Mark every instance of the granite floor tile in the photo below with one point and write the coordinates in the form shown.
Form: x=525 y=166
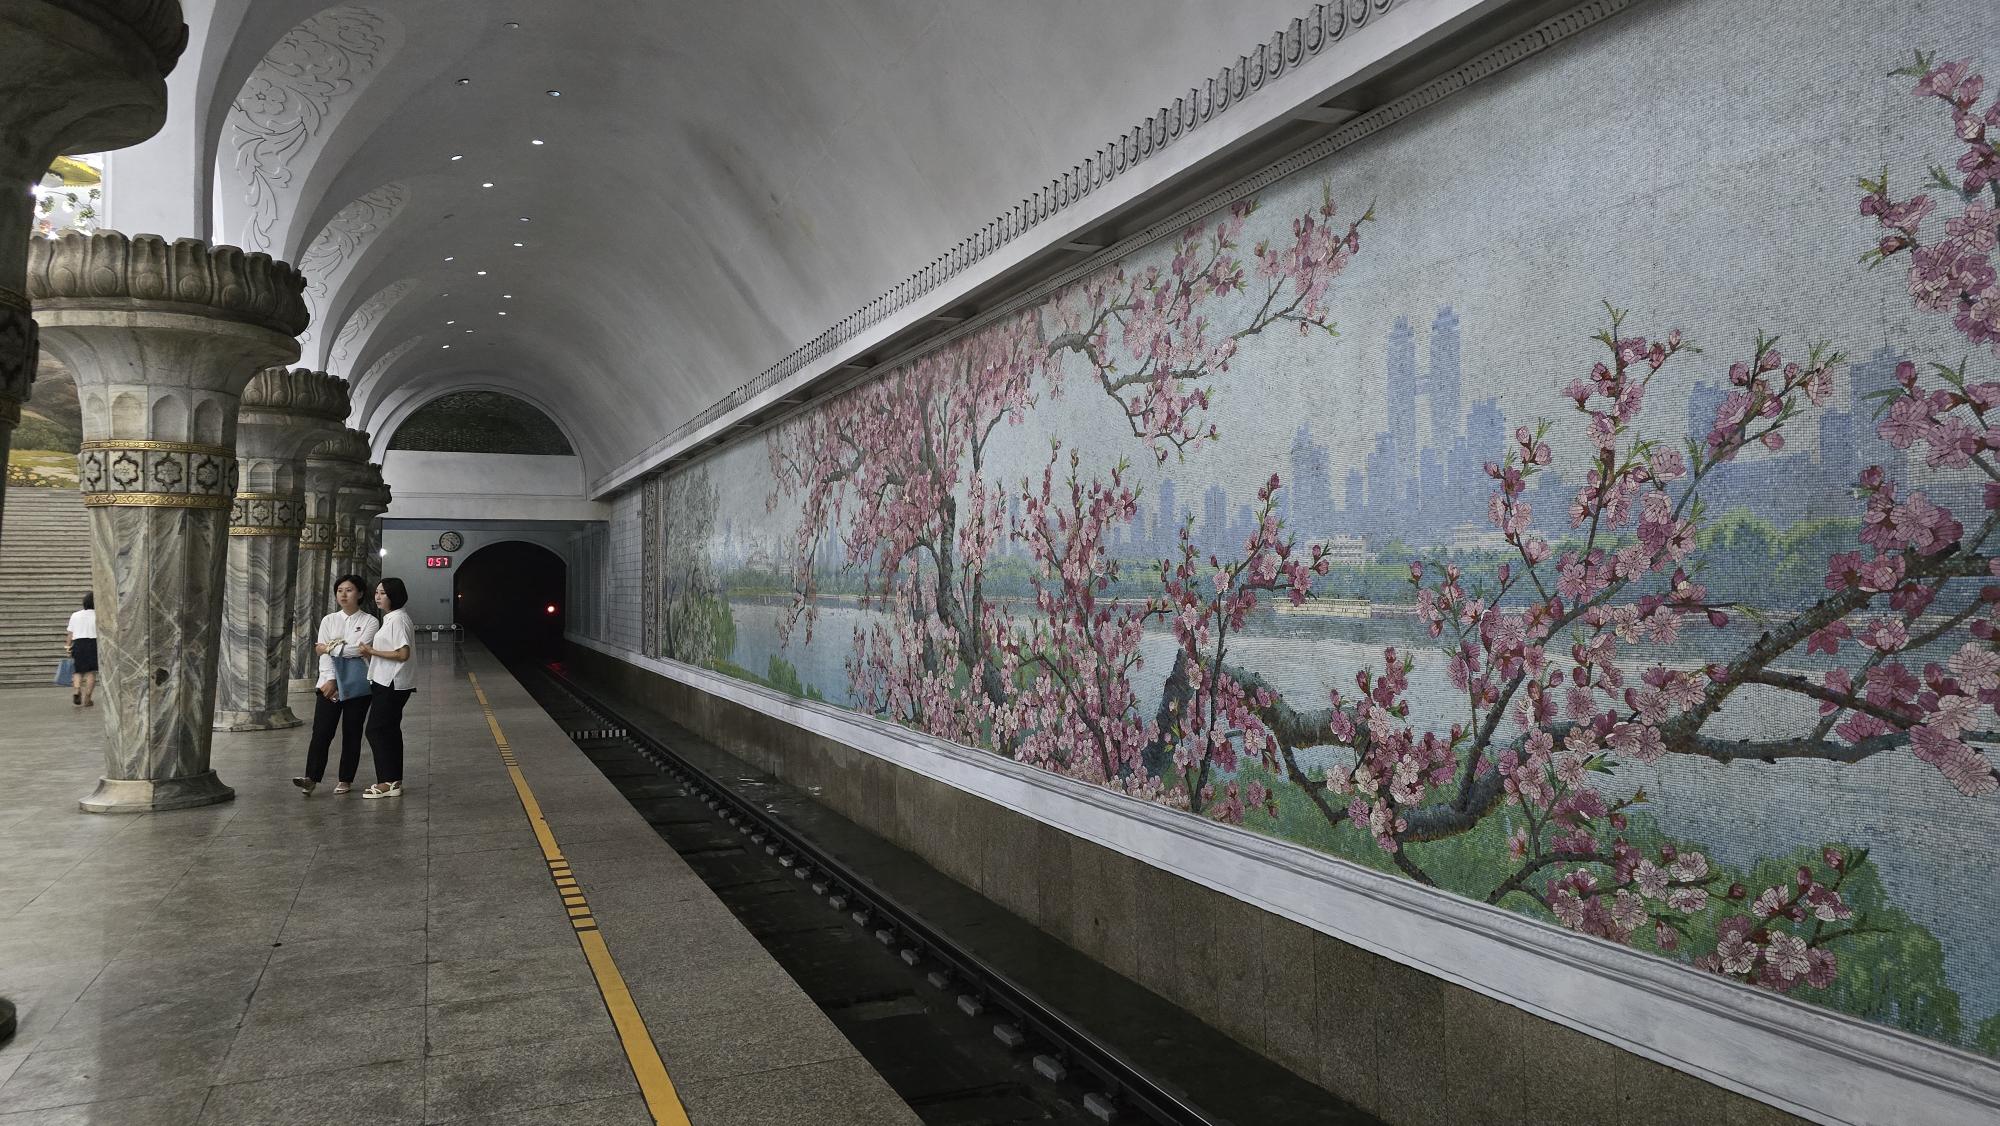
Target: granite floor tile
x=465 y=1026
x=169 y=1065
x=71 y=978
x=624 y=1110
x=137 y=1017
x=279 y=960
x=304 y=993
x=349 y=952
x=483 y=978
x=745 y=1039
x=381 y=1094
x=267 y=1049
x=838 y=1093
x=153 y=970
x=145 y=1110
x=35 y=1014
x=581 y=1068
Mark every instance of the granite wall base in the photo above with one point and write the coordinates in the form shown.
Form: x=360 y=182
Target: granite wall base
x=1409 y=1047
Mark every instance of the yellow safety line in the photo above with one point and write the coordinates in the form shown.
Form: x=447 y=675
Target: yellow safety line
x=661 y=1099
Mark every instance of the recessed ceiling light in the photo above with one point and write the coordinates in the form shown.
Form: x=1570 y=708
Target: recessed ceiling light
x=468 y=332
x=503 y=312
x=451 y=322
x=444 y=345
x=444 y=295
x=458 y=156
x=536 y=141
x=487 y=184
x=511 y=25
x=524 y=219
x=518 y=244
x=508 y=296
x=555 y=93
x=450 y=258
x=462 y=82
x=482 y=273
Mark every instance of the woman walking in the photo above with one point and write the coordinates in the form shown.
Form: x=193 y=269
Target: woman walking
x=82 y=638
x=342 y=698
x=391 y=679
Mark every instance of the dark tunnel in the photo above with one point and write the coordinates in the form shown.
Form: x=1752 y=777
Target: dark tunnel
x=510 y=595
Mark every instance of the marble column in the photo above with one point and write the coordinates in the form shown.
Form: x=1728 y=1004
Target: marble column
x=328 y=466
x=284 y=414
x=163 y=338
x=75 y=76
x=347 y=502
x=368 y=529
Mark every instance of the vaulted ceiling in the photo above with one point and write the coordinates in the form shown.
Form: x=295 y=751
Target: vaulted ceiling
x=713 y=184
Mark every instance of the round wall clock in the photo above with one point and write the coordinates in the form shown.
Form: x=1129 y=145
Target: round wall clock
x=450 y=541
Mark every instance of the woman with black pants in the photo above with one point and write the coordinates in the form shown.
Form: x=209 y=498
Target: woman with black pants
x=391 y=679
x=342 y=697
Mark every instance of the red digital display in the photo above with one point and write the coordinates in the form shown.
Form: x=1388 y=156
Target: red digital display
x=436 y=561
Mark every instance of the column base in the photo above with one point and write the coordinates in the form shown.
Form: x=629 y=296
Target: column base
x=147 y=795
x=276 y=719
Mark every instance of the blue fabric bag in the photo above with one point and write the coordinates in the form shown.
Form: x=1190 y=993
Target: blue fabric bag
x=65 y=672
x=350 y=677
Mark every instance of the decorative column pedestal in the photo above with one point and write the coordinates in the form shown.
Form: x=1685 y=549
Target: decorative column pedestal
x=328 y=467
x=75 y=76
x=284 y=414
x=163 y=339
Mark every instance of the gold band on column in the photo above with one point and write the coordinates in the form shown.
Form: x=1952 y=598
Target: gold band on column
x=266 y=514
x=146 y=473
x=155 y=500
x=316 y=534
x=148 y=444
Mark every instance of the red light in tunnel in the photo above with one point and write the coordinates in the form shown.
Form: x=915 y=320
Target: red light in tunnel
x=550 y=608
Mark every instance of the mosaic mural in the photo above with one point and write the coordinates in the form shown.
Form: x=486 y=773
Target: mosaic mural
x=1596 y=521
x=43 y=453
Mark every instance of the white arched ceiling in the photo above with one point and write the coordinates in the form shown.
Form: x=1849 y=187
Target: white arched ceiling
x=717 y=184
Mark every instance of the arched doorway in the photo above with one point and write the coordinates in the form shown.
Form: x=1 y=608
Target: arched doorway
x=511 y=596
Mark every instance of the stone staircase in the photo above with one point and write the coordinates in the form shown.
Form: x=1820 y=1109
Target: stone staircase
x=44 y=571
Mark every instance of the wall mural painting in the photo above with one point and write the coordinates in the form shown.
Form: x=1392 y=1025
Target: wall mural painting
x=1656 y=601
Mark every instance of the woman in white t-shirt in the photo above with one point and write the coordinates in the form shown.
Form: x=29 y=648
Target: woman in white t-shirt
x=391 y=679
x=341 y=698
x=82 y=638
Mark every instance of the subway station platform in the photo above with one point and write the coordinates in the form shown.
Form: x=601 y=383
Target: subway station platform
x=428 y=958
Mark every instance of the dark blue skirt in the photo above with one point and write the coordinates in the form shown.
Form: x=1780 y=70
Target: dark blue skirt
x=83 y=651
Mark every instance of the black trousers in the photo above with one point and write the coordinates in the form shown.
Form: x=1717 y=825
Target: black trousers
x=327 y=715
x=385 y=730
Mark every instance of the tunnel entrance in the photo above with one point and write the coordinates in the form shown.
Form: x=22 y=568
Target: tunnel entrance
x=510 y=594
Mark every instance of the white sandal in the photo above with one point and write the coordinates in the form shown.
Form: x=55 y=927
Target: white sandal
x=383 y=790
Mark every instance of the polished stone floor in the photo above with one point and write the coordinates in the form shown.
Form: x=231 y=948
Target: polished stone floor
x=333 y=960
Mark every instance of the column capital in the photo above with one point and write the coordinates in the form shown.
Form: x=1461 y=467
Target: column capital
x=155 y=24
x=338 y=457
x=299 y=394
x=84 y=76
x=97 y=279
